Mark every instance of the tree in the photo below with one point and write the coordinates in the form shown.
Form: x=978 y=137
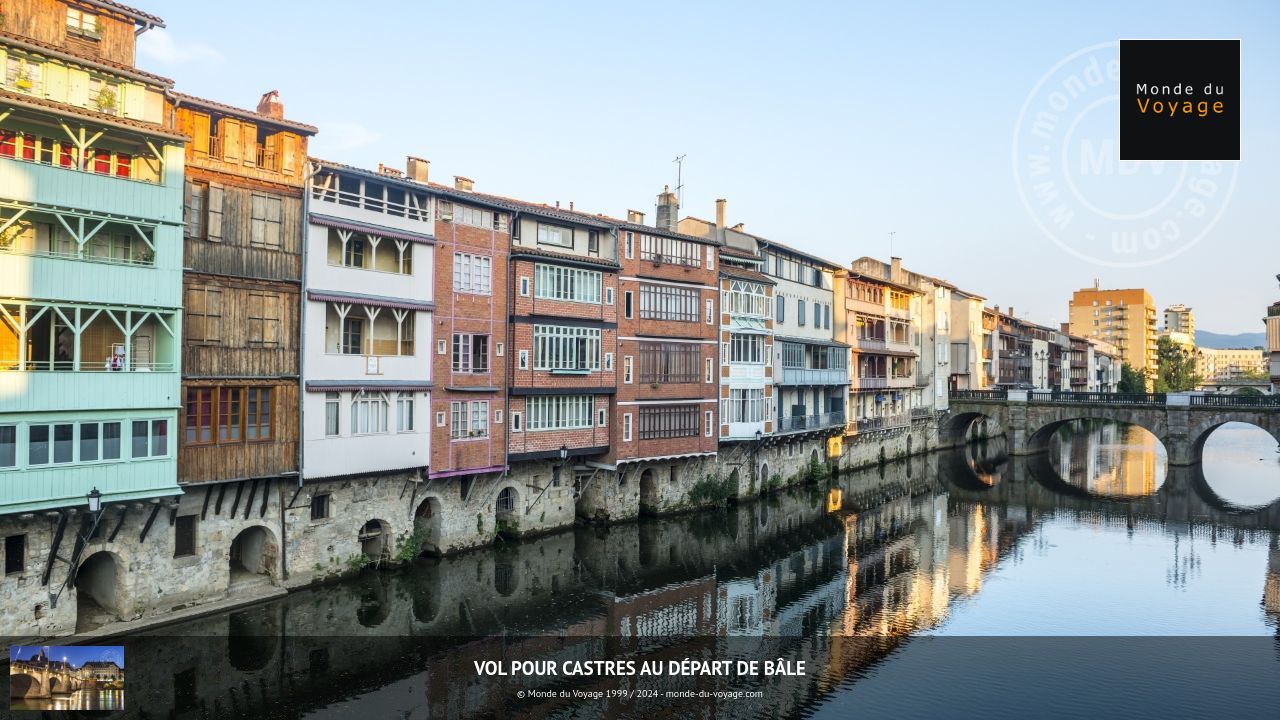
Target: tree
x=1132 y=380
x=1176 y=367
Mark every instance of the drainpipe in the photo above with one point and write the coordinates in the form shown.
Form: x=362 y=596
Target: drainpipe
x=302 y=360
x=511 y=352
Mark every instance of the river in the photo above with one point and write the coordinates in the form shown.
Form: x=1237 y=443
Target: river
x=1093 y=581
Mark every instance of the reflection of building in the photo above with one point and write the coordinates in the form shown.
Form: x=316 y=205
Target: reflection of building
x=1124 y=318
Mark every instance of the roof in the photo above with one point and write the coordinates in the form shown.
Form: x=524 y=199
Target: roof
x=369 y=229
x=540 y=209
x=767 y=243
x=241 y=112
x=810 y=341
x=403 y=182
x=32 y=44
x=651 y=230
x=357 y=385
x=518 y=250
x=745 y=274
x=133 y=13
x=738 y=252
x=369 y=300
x=881 y=281
x=28 y=101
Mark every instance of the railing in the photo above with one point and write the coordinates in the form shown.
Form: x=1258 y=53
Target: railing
x=1098 y=397
x=1236 y=400
x=979 y=394
x=815 y=376
x=105 y=366
x=810 y=422
x=887 y=422
x=918 y=414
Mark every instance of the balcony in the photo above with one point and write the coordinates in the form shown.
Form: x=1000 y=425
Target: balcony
x=800 y=423
x=27 y=182
x=744 y=371
x=869 y=383
x=86 y=391
x=886 y=422
x=814 y=376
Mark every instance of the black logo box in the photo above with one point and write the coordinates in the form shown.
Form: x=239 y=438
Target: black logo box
x=1187 y=68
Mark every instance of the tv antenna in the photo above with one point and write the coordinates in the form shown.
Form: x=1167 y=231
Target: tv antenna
x=679 y=161
x=891 y=234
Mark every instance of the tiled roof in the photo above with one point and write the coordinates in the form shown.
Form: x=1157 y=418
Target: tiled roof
x=542 y=209
x=35 y=103
x=636 y=227
x=369 y=229
x=522 y=250
x=232 y=110
x=134 y=13
x=45 y=48
x=745 y=274
x=406 y=182
x=738 y=252
x=357 y=385
x=370 y=300
x=767 y=243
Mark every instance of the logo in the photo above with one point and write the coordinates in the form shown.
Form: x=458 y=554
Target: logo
x=1087 y=198
x=1180 y=99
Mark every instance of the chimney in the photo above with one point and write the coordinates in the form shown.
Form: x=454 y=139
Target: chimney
x=570 y=206
x=668 y=210
x=1011 y=313
x=417 y=168
x=737 y=228
x=271 y=106
x=721 y=211
x=895 y=269
x=1097 y=284
x=462 y=183
x=635 y=216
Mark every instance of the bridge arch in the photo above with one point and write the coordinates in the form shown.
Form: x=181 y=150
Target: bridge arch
x=22 y=685
x=1200 y=432
x=958 y=427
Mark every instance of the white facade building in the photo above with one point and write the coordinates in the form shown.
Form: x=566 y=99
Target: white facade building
x=367 y=323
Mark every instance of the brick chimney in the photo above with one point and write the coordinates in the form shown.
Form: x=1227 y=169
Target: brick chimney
x=668 y=210
x=271 y=106
x=721 y=211
x=462 y=183
x=417 y=169
x=635 y=216
x=895 y=269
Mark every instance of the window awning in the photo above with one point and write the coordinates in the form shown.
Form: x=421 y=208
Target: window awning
x=369 y=300
x=750 y=326
x=890 y=353
x=369 y=229
x=370 y=385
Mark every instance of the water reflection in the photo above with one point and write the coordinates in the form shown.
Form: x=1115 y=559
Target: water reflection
x=843 y=576
x=1242 y=465
x=77 y=700
x=1109 y=459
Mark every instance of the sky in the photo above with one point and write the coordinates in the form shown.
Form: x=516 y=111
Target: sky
x=825 y=126
x=77 y=655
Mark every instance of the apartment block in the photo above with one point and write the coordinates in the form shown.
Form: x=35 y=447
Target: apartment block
x=1124 y=318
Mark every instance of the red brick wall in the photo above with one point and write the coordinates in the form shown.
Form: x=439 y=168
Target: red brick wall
x=544 y=440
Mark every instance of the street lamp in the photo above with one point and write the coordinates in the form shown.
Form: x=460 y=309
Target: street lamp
x=564 y=453
x=95 y=501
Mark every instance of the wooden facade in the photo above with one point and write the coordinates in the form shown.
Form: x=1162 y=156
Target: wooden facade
x=244 y=225
x=107 y=34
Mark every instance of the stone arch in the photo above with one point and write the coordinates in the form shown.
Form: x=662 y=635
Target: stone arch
x=814 y=457
x=252 y=637
x=955 y=429
x=57 y=687
x=428 y=520
x=100 y=590
x=762 y=478
x=375 y=540
x=254 y=553
x=649 y=499
x=23 y=685
x=506 y=510
x=506 y=577
x=1043 y=423
x=1199 y=434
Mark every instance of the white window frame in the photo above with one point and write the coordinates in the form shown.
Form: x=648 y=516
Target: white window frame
x=709 y=421
x=472 y=274
x=556 y=282
x=559 y=412
x=468 y=420
x=558 y=348
x=370 y=413
x=628 y=368
x=517 y=424
x=626 y=427
x=404 y=412
x=710 y=369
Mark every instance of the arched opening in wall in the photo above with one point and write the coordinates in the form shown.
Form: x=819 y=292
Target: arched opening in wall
x=252 y=637
x=505 y=579
x=57 y=686
x=814 y=458
x=426 y=524
x=373 y=537
x=504 y=512
x=253 y=557
x=734 y=478
x=98 y=591
x=648 y=492
x=762 y=477
x=1104 y=457
x=1241 y=464
x=23 y=685
x=374 y=607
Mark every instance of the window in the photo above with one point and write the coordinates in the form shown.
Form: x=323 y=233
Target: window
x=15 y=554
x=626 y=368
x=517 y=422
x=352 y=335
x=561 y=348
x=469 y=419
x=746 y=349
x=524 y=287
x=38 y=445
x=662 y=302
x=473 y=216
x=669 y=250
x=668 y=421
x=782 y=309
x=320 y=506
x=264 y=320
x=709 y=370
x=626 y=305
x=204 y=315
x=553 y=282
x=711 y=258
x=184 y=536
x=199 y=430
x=369 y=414
x=404 y=412
x=497 y=416
x=110 y=441
x=559 y=412
x=63 y=444
x=470 y=353
x=745 y=298
x=264 y=221
x=332 y=406
x=711 y=311
x=746 y=405
x=472 y=273
x=708 y=423
x=523 y=360
x=353 y=252
x=197 y=201
x=608 y=296
x=554 y=235
x=150 y=438
x=792 y=355
x=440 y=419
x=81 y=23
x=602 y=417
x=629 y=249
x=669 y=362
x=593 y=242
x=257 y=424
x=800 y=313
x=608 y=361
x=8 y=446
x=230 y=414
x=626 y=427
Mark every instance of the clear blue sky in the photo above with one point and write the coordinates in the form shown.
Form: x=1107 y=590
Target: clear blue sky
x=826 y=126
x=77 y=655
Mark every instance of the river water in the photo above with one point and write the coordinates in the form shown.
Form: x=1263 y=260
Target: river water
x=1093 y=581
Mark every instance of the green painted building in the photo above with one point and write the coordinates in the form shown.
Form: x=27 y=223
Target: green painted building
x=91 y=208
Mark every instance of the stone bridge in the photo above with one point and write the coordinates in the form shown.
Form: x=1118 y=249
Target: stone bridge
x=44 y=679
x=1181 y=422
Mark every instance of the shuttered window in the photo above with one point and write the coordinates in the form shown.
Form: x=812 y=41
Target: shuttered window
x=265 y=226
x=264 y=320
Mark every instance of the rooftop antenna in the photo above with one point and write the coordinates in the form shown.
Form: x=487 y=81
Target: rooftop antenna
x=891 y=234
x=679 y=161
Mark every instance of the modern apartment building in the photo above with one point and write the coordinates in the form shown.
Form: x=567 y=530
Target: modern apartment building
x=91 y=257
x=1124 y=318
x=1231 y=363
x=1180 y=319
x=1272 y=323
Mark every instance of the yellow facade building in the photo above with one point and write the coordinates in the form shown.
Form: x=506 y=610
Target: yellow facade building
x=1125 y=318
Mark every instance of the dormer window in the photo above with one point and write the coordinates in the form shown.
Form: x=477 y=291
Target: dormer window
x=82 y=24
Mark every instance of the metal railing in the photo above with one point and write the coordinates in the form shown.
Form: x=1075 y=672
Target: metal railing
x=810 y=422
x=1109 y=398
x=1098 y=398
x=979 y=394
x=887 y=422
x=1236 y=400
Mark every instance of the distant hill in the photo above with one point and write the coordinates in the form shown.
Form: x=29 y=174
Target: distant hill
x=1204 y=338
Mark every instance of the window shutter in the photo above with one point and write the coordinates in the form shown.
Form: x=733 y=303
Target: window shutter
x=288 y=153
x=214 y=231
x=249 y=144
x=198 y=128
x=229 y=131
